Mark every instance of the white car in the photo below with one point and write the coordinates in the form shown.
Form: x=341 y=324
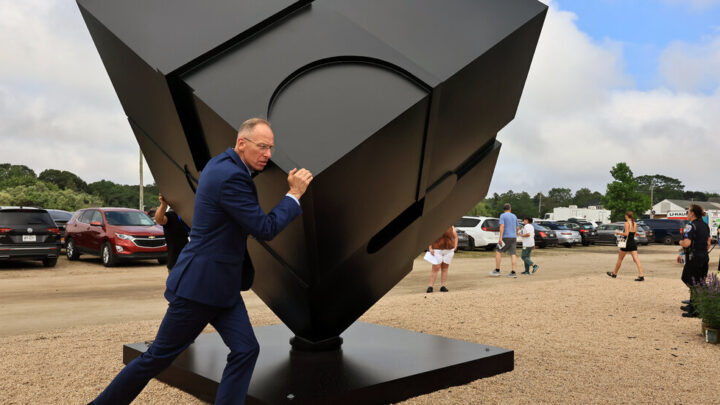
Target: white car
x=482 y=231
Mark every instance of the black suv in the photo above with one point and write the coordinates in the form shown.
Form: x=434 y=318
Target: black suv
x=28 y=233
x=61 y=218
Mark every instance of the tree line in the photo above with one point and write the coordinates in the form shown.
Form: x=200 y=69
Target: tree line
x=64 y=190
x=625 y=192
x=61 y=189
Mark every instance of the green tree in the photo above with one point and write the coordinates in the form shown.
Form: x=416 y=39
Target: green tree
x=622 y=194
x=584 y=197
x=663 y=187
x=562 y=197
x=64 y=180
x=481 y=209
x=16 y=175
x=46 y=195
x=695 y=196
x=522 y=204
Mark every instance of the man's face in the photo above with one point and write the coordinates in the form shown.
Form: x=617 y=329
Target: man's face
x=255 y=148
x=525 y=221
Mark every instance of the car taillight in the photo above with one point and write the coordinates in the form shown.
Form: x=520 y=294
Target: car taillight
x=485 y=228
x=5 y=230
x=56 y=231
x=542 y=234
x=583 y=230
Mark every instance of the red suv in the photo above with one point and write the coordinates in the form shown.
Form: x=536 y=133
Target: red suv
x=114 y=234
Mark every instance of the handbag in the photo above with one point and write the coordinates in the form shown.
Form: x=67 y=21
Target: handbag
x=622 y=242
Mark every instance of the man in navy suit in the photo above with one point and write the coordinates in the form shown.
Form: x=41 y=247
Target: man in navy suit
x=204 y=285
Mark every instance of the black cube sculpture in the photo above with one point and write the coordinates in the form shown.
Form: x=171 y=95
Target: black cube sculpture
x=394 y=105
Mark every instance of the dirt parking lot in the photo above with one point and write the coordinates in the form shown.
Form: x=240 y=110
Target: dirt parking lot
x=578 y=335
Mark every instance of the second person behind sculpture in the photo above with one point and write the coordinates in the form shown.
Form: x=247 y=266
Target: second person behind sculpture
x=443 y=249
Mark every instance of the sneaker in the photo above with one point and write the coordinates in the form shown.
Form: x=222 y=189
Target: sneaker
x=535 y=268
x=429 y=290
x=443 y=289
x=495 y=273
x=641 y=278
x=611 y=274
x=512 y=274
x=527 y=273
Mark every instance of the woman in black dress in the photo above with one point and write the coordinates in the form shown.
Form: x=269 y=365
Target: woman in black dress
x=631 y=246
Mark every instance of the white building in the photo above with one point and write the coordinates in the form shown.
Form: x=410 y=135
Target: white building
x=677 y=209
x=591 y=213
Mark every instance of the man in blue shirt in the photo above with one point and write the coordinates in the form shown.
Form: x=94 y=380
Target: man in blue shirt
x=507 y=242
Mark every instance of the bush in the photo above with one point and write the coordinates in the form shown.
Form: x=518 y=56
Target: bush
x=707 y=301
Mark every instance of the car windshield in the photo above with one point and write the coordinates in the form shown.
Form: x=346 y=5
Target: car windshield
x=586 y=226
x=540 y=228
x=556 y=227
x=60 y=215
x=129 y=218
x=25 y=218
x=467 y=222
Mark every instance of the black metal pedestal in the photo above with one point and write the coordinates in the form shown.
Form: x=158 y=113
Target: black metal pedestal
x=376 y=364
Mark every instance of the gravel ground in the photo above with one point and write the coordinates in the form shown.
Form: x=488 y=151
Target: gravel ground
x=578 y=336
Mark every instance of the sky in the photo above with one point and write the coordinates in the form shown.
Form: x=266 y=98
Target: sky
x=636 y=81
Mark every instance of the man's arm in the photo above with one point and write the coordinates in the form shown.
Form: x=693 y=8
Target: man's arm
x=455 y=237
x=160 y=217
x=240 y=202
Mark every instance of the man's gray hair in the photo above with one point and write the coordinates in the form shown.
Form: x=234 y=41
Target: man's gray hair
x=507 y=206
x=247 y=126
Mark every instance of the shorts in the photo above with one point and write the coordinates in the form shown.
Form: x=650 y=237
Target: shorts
x=509 y=246
x=444 y=255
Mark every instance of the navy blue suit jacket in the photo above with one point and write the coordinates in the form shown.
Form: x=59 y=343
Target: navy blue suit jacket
x=209 y=268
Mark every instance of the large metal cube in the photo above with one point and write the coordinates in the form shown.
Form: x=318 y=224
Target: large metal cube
x=394 y=105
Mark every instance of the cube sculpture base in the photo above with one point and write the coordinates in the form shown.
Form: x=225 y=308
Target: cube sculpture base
x=376 y=364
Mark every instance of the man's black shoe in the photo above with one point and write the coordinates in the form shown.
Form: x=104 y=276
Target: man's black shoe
x=429 y=290
x=689 y=315
x=443 y=289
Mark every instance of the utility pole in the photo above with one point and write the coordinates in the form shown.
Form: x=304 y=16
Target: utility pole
x=142 y=203
x=539 y=205
x=652 y=186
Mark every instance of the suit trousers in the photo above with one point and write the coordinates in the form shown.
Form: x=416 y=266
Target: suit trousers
x=183 y=322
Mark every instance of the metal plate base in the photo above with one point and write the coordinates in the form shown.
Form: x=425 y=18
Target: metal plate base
x=376 y=365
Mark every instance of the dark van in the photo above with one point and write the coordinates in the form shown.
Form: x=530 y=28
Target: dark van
x=667 y=231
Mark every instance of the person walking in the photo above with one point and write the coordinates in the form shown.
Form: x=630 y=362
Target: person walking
x=696 y=242
x=528 y=243
x=443 y=249
x=628 y=232
x=177 y=233
x=508 y=241
x=204 y=285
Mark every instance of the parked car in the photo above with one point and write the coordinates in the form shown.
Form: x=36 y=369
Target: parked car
x=606 y=232
x=114 y=234
x=564 y=235
x=482 y=231
x=544 y=237
x=463 y=240
x=28 y=233
x=648 y=232
x=667 y=231
x=60 y=217
x=588 y=234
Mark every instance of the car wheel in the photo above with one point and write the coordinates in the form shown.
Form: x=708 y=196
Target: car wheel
x=668 y=240
x=489 y=247
x=71 y=250
x=471 y=243
x=49 y=262
x=162 y=260
x=108 y=256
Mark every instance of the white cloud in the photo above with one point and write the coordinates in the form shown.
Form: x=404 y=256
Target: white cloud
x=691 y=66
x=579 y=116
x=57 y=106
